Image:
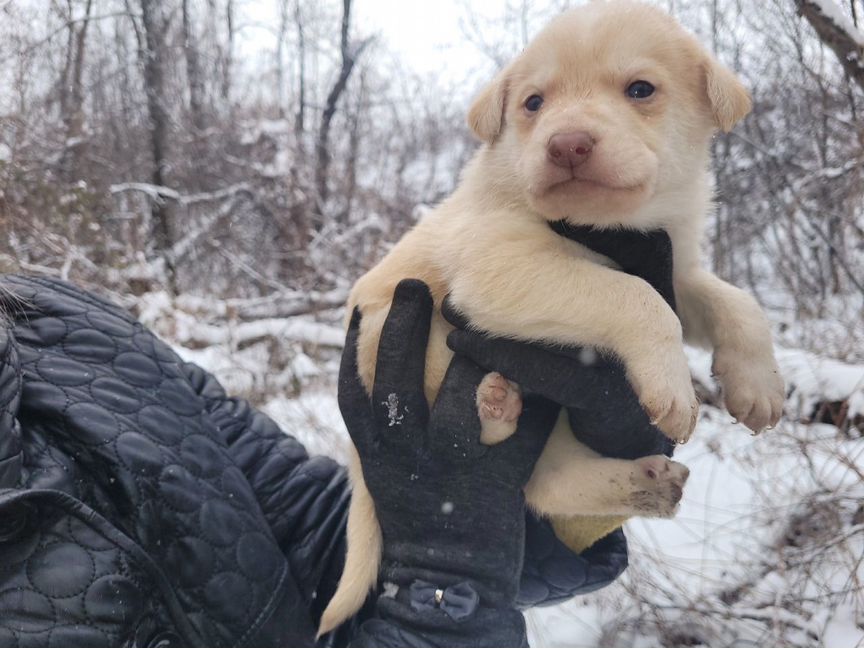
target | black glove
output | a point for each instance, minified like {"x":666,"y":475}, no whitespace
{"x":604,"y":411}
{"x":451,"y":510}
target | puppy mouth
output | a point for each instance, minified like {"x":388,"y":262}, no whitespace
{"x":594,"y":183}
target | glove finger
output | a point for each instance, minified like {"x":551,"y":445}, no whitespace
{"x":605,"y":410}
{"x":454,"y":423}
{"x":569,"y":376}
{"x":459,"y":320}
{"x":354,"y":403}
{"x":620,"y":429}
{"x":398,"y":395}
{"x":536,"y":370}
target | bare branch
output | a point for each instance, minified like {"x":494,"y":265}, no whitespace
{"x":838,"y":33}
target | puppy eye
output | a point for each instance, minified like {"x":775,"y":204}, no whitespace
{"x":533,"y":103}
{"x":640,"y":90}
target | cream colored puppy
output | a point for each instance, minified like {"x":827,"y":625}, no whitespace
{"x":604,"y":119}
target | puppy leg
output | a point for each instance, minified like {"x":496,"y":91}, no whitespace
{"x":499,"y":404}
{"x":570,"y":479}
{"x":592,"y":305}
{"x":730,"y":321}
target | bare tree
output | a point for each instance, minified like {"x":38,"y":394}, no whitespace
{"x":281,"y":36}
{"x":193,"y":72}
{"x":228,"y":62}
{"x":300,"y":120}
{"x":72,"y":92}
{"x":155,"y":26}
{"x":350,"y":54}
{"x":299,"y":211}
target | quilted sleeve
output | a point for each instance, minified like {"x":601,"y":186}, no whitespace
{"x":552,"y":573}
{"x":10,"y":394}
{"x":116,"y":434}
{"x":304,"y":499}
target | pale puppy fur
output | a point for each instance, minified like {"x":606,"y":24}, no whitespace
{"x":489,"y":245}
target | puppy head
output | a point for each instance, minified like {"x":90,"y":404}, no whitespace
{"x":606,"y":117}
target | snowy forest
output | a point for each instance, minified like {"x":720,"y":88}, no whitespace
{"x":227,"y":168}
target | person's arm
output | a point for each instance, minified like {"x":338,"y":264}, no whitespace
{"x":305,"y":499}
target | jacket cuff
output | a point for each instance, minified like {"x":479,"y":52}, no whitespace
{"x":553,"y":573}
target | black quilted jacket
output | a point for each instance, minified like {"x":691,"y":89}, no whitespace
{"x":142,"y":507}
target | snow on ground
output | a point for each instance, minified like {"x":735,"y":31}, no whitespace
{"x":765,"y":551}
{"x":720,"y":553}
{"x":313,"y":418}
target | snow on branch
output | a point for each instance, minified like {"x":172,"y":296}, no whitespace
{"x":299,"y":330}
{"x":288,"y":306}
{"x":228,"y":192}
{"x":838,"y":32}
{"x":154,"y":192}
{"x":833,"y":12}
{"x":160,"y":194}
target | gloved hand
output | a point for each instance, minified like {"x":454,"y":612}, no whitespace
{"x":604,"y":411}
{"x":451,"y":510}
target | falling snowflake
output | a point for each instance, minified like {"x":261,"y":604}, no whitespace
{"x":588,"y":355}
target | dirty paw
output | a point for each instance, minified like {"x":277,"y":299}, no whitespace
{"x":658,"y":485}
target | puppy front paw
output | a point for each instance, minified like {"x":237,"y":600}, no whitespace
{"x":499,"y":404}
{"x":753,"y":389}
{"x":665,"y":390}
{"x":658,"y":484}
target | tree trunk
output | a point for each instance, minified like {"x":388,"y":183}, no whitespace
{"x":300,"y":203}
{"x":193,"y":73}
{"x":154,"y":87}
{"x":353,"y":157}
{"x":72,"y":98}
{"x":228,"y":62}
{"x":322,"y":148}
{"x":280,"y":57}
{"x":69,"y":62}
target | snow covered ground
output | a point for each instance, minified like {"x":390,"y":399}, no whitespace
{"x":766,"y":549}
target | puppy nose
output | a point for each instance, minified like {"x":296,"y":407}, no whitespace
{"x":570,"y":149}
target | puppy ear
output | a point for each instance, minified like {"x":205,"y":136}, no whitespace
{"x":486,"y":115}
{"x":730,"y":101}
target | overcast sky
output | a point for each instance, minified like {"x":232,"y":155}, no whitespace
{"x":423,"y":32}
{"x":424,"y":35}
